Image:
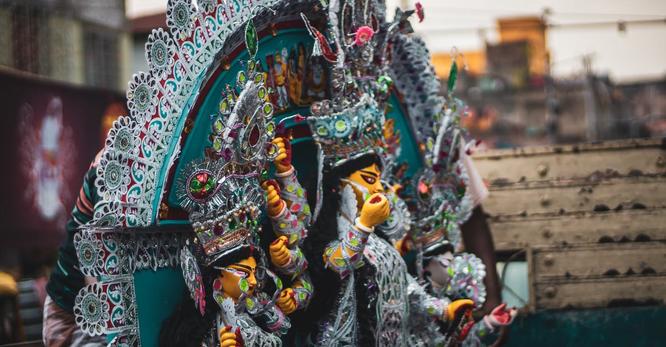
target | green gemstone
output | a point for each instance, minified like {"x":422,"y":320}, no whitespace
{"x":242,"y":78}
{"x":243,"y":285}
{"x":307,"y":285}
{"x":268,"y":109}
{"x":453,"y":76}
{"x":261,"y":93}
{"x":210,"y":184}
{"x":301,"y":296}
{"x":251,"y":40}
{"x":278,"y":283}
{"x":224,"y":105}
{"x":270,"y":127}
{"x":250,"y":65}
{"x":322,"y":131}
{"x":233,"y":224}
{"x":258,"y":78}
{"x":249,"y":303}
{"x":217,"y":144}
{"x":219,"y":126}
{"x":340,"y":125}
{"x":195,"y":185}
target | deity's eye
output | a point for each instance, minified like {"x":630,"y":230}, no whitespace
{"x":237,"y":272}
{"x":369,"y":179}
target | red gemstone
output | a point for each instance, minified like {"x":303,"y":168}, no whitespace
{"x":254,"y":136}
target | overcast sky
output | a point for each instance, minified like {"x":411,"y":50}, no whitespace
{"x":637,"y":53}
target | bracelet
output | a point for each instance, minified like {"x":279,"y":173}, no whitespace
{"x":286,"y":173}
{"x":296,"y":265}
{"x":358,"y":224}
{"x":355,"y":239}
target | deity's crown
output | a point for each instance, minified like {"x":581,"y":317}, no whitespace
{"x":349,"y":132}
{"x":222,"y":192}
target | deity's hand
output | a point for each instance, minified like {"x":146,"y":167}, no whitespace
{"x":500,"y":316}
{"x":228,"y":338}
{"x":404,"y":245}
{"x":375,"y":210}
{"x":274,"y":202}
{"x":279,"y":252}
{"x":458,"y":307}
{"x":283,"y":159}
{"x":287,"y":302}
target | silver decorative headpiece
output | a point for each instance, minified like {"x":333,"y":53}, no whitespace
{"x":222,"y":192}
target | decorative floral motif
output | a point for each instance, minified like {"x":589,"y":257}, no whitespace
{"x":91,"y":310}
{"x":112,"y":176}
{"x":159,"y":52}
{"x":123,"y":136}
{"x":363,"y":35}
{"x":180,"y":17}
{"x":90,"y":254}
{"x":419,"y":11}
{"x":141,"y":97}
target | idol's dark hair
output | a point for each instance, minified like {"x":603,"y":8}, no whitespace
{"x":320,"y":235}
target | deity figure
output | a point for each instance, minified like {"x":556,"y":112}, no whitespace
{"x":363,"y":296}
{"x":297,"y":74}
{"x":234,"y":295}
{"x":280,"y":76}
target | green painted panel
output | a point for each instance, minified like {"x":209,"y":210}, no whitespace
{"x":611,"y":327}
{"x":157,"y":295}
{"x":409,"y":149}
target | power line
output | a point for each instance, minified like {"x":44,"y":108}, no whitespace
{"x":619,"y":24}
{"x":548,"y":11}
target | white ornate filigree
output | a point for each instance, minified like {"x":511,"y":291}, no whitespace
{"x":392,"y":310}
{"x":160,"y":51}
{"x":157,"y":101}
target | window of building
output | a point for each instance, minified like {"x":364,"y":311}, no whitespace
{"x":101,"y":57}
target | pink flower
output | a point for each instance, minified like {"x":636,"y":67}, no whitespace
{"x":419,"y":11}
{"x":363,"y":35}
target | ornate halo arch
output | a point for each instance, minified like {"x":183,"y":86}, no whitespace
{"x":132,"y":232}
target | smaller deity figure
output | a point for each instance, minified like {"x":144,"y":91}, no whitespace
{"x":297,"y":74}
{"x":316,"y":80}
{"x":280,"y":77}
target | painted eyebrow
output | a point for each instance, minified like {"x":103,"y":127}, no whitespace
{"x":243,"y":267}
{"x":369,"y":173}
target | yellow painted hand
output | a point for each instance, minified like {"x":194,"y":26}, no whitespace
{"x":375,"y":210}
{"x":279,"y":252}
{"x":282,"y":160}
{"x":458,"y":306}
{"x":274,"y":202}
{"x":228,"y":338}
{"x":286,"y":301}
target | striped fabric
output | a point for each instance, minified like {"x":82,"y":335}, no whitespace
{"x":66,"y":279}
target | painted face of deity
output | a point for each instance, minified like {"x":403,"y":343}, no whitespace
{"x":365,"y":182}
{"x":232,"y":275}
{"x":438,"y":270}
